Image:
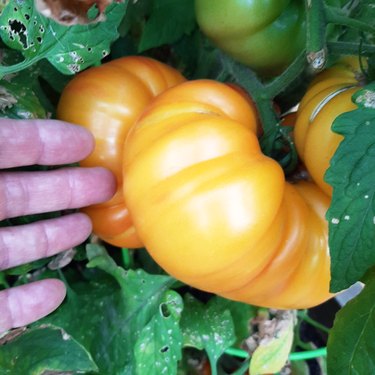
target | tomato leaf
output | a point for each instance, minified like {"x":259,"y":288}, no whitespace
{"x":168,"y":22}
{"x":352,"y":211}
{"x":158,"y":348}
{"x":18,"y":98}
{"x":351,"y":345}
{"x":207,"y":327}
{"x":275,"y":345}
{"x":69,"y":49}
{"x":44,"y":349}
{"x":242,"y":314}
{"x":107,"y":315}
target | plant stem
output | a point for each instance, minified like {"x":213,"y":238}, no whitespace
{"x":263,"y":95}
{"x":315,"y":34}
{"x":349,"y":48}
{"x":333,"y":15}
{"x":281,"y":82}
{"x":213,"y":366}
{"x":243,"y":369}
{"x":246,"y":78}
{"x":314,"y":323}
{"x":10,"y":69}
{"x":126,"y":258}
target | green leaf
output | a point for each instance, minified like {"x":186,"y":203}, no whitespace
{"x":351,"y":344}
{"x":273,"y":350}
{"x":168,"y":22}
{"x":18,"y":97}
{"x":159,"y":346}
{"x":3,"y":280}
{"x":197,"y":58}
{"x":242,"y":314}
{"x":107,"y":315}
{"x":352,"y":213}
{"x":69,"y":48}
{"x":207,"y":327}
{"x":23,"y":269}
{"x":52,"y":76}
{"x":363,"y":11}
{"x":43,"y":349}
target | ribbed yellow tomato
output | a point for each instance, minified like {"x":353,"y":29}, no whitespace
{"x":107,"y":100}
{"x":215,"y":212}
{"x":328,"y":96}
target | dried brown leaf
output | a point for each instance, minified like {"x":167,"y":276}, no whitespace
{"x":72,"y":12}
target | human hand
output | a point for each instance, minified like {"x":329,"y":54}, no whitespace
{"x":44,"y":142}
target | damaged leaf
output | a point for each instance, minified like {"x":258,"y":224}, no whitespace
{"x":73,"y":12}
{"x":274,"y":343}
{"x":18,"y":97}
{"x":158,"y":348}
{"x":69,"y":49}
{"x":42,"y":349}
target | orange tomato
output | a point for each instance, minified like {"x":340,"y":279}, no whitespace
{"x":328,"y":96}
{"x":215,"y":212}
{"x":107,"y":100}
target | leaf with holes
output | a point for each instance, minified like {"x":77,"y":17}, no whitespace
{"x":69,"y":49}
{"x":18,"y":97}
{"x":158,"y":348}
{"x":207,"y":327}
{"x":107,"y":315}
{"x":351,"y":215}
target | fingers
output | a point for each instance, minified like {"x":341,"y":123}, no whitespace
{"x":24,"y":193}
{"x":27,"y":303}
{"x":26,"y":243}
{"x":45,"y":142}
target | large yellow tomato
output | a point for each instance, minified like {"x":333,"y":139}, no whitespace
{"x":107,"y":100}
{"x":214,"y":211}
{"x":328,"y":96}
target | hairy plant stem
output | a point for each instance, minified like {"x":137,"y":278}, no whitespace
{"x":316,"y":53}
{"x":15,"y":68}
{"x":338,"y":17}
{"x":350,"y":48}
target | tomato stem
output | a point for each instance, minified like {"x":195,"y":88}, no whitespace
{"x":337,"y":16}
{"x":316,"y":53}
{"x":349,"y":48}
{"x":281,"y":82}
{"x":303,"y":315}
{"x":263,"y":95}
{"x":126,"y":258}
{"x":10,"y":69}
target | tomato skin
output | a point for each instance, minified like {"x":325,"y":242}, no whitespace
{"x":266,"y":35}
{"x":328,"y":96}
{"x":215,"y":212}
{"x":255,"y":33}
{"x":107,"y":100}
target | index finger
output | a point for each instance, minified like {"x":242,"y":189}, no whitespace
{"x":44,"y":142}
